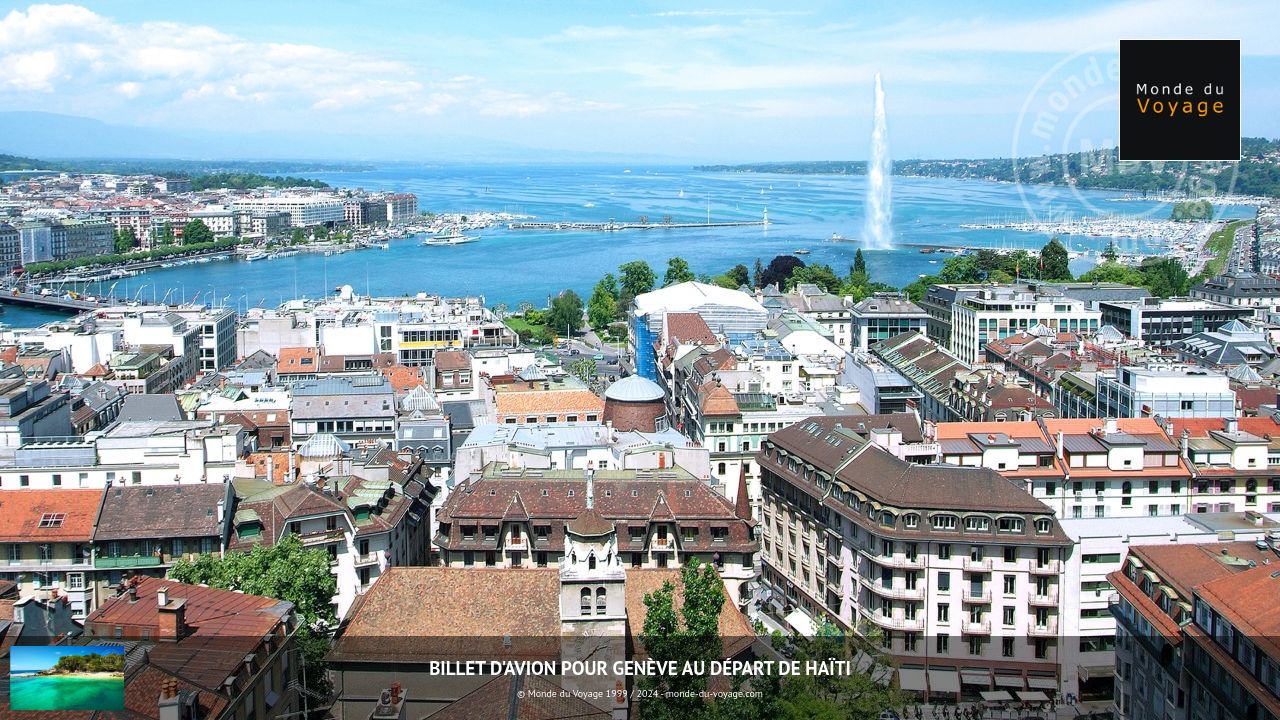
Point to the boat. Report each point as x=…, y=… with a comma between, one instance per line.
x=681, y=192
x=589, y=205
x=928, y=250
x=255, y=255
x=451, y=238
x=836, y=237
x=802, y=252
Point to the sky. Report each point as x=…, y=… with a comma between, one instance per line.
x=683, y=80
x=32, y=658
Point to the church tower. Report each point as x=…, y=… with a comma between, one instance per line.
x=593, y=606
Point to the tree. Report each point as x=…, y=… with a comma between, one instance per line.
x=125, y=241
x=863, y=693
x=286, y=571
x=859, y=262
x=602, y=308
x=321, y=232
x=523, y=308
x=1054, y=261
x=757, y=274
x=739, y=275
x=697, y=639
x=1110, y=254
x=297, y=236
x=677, y=272
x=1165, y=277
x=584, y=368
x=501, y=310
x=637, y=278
x=196, y=232
x=779, y=271
x=1113, y=272
x=166, y=235
x=565, y=313
x=821, y=275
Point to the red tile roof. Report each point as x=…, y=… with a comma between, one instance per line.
x=1200, y=427
x=684, y=328
x=402, y=378
x=452, y=360
x=298, y=360
x=61, y=514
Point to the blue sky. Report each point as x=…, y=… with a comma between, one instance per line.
x=687, y=80
x=32, y=658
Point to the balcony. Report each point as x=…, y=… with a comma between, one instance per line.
x=663, y=544
x=1048, y=628
x=896, y=593
x=893, y=561
x=127, y=561
x=982, y=627
x=972, y=565
x=1043, y=600
x=897, y=623
x=368, y=559
x=50, y=564
x=1052, y=567
x=323, y=537
x=517, y=543
x=977, y=596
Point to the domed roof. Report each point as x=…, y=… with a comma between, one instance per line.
x=323, y=445
x=634, y=388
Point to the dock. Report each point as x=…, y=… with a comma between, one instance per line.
x=612, y=226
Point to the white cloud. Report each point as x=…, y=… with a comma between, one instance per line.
x=129, y=89
x=29, y=71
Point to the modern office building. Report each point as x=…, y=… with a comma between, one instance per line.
x=304, y=210
x=1164, y=321
x=1260, y=293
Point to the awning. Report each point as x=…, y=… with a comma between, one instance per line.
x=1009, y=681
x=996, y=696
x=911, y=679
x=1044, y=683
x=976, y=677
x=801, y=623
x=1033, y=696
x=944, y=681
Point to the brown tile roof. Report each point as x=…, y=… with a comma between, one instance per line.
x=549, y=402
x=22, y=512
x=452, y=360
x=1183, y=566
x=717, y=400
x=687, y=328
x=279, y=467
x=1200, y=427
x=402, y=378
x=298, y=360
x=1248, y=600
x=520, y=697
x=142, y=693
x=163, y=511
x=589, y=523
x=736, y=633
x=98, y=371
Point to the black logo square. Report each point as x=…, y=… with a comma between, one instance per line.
x=1179, y=99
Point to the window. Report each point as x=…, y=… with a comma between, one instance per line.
x=585, y=602
x=1043, y=526
x=944, y=551
x=57, y=480
x=944, y=581
x=1008, y=617
x=944, y=613
x=51, y=520
x=24, y=481
x=1006, y=646
x=1010, y=584
x=941, y=644
x=490, y=558
x=468, y=558
x=1010, y=554
x=1011, y=525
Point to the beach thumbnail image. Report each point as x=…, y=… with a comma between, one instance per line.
x=66, y=678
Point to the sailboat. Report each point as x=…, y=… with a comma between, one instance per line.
x=681, y=192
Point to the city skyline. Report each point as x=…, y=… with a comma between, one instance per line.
x=711, y=82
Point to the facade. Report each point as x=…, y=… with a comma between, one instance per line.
x=518, y=517
x=930, y=368
x=48, y=540
x=206, y=653
x=532, y=398
x=1260, y=293
x=958, y=568
x=1226, y=347
x=723, y=311
x=304, y=210
x=829, y=311
x=30, y=410
x=352, y=408
x=1235, y=463
x=65, y=239
x=401, y=207
x=10, y=248
x=1164, y=390
x=222, y=222
x=882, y=316
x=1195, y=628
x=1164, y=321
x=997, y=312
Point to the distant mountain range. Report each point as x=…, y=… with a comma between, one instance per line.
x=53, y=136
x=1258, y=172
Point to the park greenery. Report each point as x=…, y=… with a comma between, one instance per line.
x=689, y=632
x=1192, y=210
x=249, y=181
x=288, y=571
x=88, y=663
x=160, y=252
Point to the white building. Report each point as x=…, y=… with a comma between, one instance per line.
x=304, y=210
x=1164, y=390
x=997, y=312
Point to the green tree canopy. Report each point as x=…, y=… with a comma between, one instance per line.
x=779, y=271
x=667, y=639
x=1054, y=261
x=677, y=272
x=196, y=232
x=125, y=240
x=739, y=275
x=821, y=275
x=859, y=262
x=637, y=278
x=602, y=308
x=565, y=313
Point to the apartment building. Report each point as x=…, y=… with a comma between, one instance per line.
x=882, y=316
x=958, y=568
x=48, y=543
x=1255, y=291
x=1163, y=321
x=10, y=248
x=352, y=408
x=365, y=523
x=30, y=410
x=1136, y=391
x=304, y=210
x=401, y=207
x=1235, y=463
x=517, y=517
x=930, y=368
x=1195, y=629
x=205, y=653
x=997, y=312
x=813, y=303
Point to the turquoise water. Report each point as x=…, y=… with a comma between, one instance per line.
x=512, y=265
x=66, y=693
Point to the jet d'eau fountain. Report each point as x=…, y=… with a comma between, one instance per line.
x=877, y=232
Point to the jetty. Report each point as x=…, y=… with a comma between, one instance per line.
x=53, y=302
x=614, y=226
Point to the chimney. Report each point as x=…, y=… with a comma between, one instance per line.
x=222, y=510
x=591, y=487
x=172, y=705
x=162, y=596
x=1232, y=424
x=1185, y=443
x=133, y=595
x=1058, y=450
x=173, y=620
x=1110, y=426
x=391, y=704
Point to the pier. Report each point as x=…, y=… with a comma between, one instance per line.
x=612, y=226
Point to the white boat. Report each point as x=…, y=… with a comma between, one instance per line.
x=255, y=255
x=802, y=252
x=836, y=237
x=589, y=205
x=452, y=238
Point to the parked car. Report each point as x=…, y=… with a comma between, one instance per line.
x=598, y=356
